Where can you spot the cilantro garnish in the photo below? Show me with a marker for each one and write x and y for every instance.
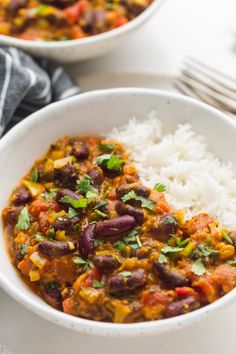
(170, 249)
(106, 147)
(72, 213)
(23, 249)
(125, 274)
(170, 220)
(100, 204)
(198, 267)
(112, 162)
(227, 238)
(39, 237)
(145, 203)
(232, 262)
(34, 175)
(207, 251)
(76, 203)
(81, 262)
(98, 242)
(98, 284)
(119, 245)
(24, 220)
(47, 196)
(159, 187)
(85, 185)
(162, 258)
(182, 243)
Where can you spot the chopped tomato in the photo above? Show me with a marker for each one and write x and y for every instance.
(75, 11)
(121, 21)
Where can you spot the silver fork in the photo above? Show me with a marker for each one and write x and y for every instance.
(209, 85)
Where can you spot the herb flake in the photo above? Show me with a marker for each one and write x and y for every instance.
(198, 267)
(24, 220)
(159, 187)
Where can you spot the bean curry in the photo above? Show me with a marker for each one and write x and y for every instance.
(55, 20)
(90, 239)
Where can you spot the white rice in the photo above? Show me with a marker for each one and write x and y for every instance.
(195, 179)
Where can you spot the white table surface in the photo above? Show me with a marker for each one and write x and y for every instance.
(204, 29)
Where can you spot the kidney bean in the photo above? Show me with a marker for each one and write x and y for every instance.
(97, 176)
(58, 3)
(66, 177)
(125, 209)
(86, 241)
(137, 188)
(14, 5)
(55, 248)
(180, 307)
(170, 276)
(22, 196)
(164, 226)
(52, 294)
(119, 284)
(105, 262)
(115, 226)
(11, 214)
(66, 192)
(66, 224)
(80, 150)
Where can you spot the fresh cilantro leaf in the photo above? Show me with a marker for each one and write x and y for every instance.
(90, 195)
(106, 147)
(39, 237)
(51, 233)
(34, 175)
(100, 204)
(170, 249)
(24, 220)
(110, 6)
(232, 262)
(76, 203)
(23, 249)
(159, 187)
(170, 220)
(119, 245)
(112, 162)
(227, 238)
(79, 261)
(129, 239)
(72, 213)
(130, 195)
(98, 284)
(198, 267)
(145, 203)
(162, 258)
(103, 159)
(85, 185)
(134, 246)
(207, 251)
(125, 274)
(47, 196)
(98, 242)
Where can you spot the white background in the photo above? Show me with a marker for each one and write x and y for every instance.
(205, 29)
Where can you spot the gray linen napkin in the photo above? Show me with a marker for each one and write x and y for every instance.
(28, 84)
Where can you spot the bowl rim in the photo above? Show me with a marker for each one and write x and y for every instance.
(105, 328)
(129, 26)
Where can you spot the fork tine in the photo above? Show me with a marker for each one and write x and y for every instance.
(219, 88)
(227, 103)
(188, 91)
(213, 74)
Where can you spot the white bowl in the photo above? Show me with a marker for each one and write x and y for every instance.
(84, 48)
(95, 113)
